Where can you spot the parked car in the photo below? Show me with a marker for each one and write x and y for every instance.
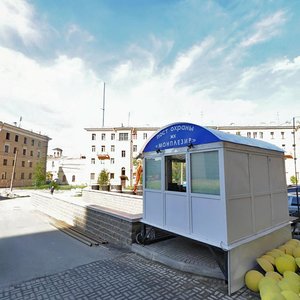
(293, 204)
(292, 189)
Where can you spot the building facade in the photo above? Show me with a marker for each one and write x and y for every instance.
(67, 170)
(281, 136)
(20, 151)
(115, 150)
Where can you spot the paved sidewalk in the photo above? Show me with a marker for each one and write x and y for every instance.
(125, 277)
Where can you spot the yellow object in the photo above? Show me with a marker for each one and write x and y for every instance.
(265, 264)
(252, 279)
(274, 275)
(272, 296)
(274, 254)
(290, 295)
(280, 252)
(284, 263)
(267, 285)
(290, 285)
(291, 275)
(289, 249)
(296, 252)
(270, 258)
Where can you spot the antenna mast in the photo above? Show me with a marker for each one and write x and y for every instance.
(103, 105)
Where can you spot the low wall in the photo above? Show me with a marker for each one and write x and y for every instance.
(96, 214)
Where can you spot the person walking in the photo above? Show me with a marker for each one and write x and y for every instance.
(52, 189)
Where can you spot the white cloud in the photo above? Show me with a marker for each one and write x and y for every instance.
(287, 65)
(265, 29)
(16, 20)
(74, 31)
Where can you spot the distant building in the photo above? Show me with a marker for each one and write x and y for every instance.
(20, 151)
(280, 135)
(67, 170)
(115, 150)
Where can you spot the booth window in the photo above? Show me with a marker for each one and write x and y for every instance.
(153, 173)
(205, 173)
(176, 173)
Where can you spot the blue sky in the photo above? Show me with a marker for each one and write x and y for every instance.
(208, 62)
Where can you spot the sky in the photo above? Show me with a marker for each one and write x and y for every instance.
(208, 62)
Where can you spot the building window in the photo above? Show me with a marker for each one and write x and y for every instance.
(22, 175)
(15, 150)
(123, 153)
(102, 148)
(93, 148)
(282, 135)
(123, 172)
(205, 173)
(92, 176)
(92, 161)
(254, 135)
(39, 154)
(134, 135)
(103, 136)
(30, 176)
(25, 140)
(112, 160)
(248, 134)
(16, 138)
(113, 136)
(73, 178)
(13, 162)
(134, 148)
(6, 148)
(176, 173)
(153, 173)
(30, 164)
(112, 175)
(123, 136)
(3, 176)
(7, 135)
(5, 162)
(144, 135)
(272, 134)
(93, 136)
(261, 135)
(23, 163)
(52, 163)
(24, 151)
(31, 153)
(32, 142)
(112, 148)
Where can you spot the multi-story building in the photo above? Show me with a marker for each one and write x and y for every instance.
(20, 151)
(280, 135)
(115, 149)
(67, 170)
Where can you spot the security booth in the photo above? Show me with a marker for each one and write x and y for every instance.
(223, 190)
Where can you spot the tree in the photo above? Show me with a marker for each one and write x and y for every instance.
(103, 178)
(39, 174)
(293, 179)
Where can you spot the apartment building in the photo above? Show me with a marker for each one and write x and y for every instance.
(20, 151)
(115, 150)
(280, 135)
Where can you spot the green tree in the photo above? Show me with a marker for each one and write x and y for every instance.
(293, 179)
(39, 174)
(103, 178)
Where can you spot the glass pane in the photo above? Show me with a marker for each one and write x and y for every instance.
(153, 173)
(205, 173)
(176, 173)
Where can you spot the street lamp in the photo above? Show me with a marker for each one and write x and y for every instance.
(295, 163)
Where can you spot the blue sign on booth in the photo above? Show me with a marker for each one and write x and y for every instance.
(180, 135)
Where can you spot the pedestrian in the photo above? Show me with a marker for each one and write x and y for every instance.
(52, 189)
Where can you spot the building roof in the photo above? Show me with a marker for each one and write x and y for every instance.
(178, 135)
(122, 128)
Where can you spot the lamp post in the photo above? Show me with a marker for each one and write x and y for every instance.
(295, 163)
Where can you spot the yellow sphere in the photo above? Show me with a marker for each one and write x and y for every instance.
(252, 279)
(265, 264)
(274, 275)
(268, 284)
(269, 258)
(296, 252)
(291, 275)
(284, 263)
(290, 295)
(290, 285)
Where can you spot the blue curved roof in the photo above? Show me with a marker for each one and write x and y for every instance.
(181, 134)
